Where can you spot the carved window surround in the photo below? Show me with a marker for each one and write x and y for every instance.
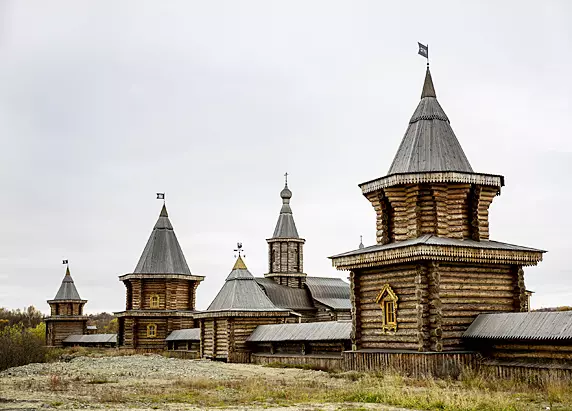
(387, 300)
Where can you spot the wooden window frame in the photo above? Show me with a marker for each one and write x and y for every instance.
(387, 300)
(152, 330)
(152, 298)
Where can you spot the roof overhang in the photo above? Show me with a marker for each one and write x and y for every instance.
(155, 313)
(285, 239)
(67, 318)
(66, 301)
(187, 277)
(416, 252)
(246, 313)
(270, 275)
(432, 177)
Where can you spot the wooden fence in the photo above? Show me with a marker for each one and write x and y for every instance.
(415, 364)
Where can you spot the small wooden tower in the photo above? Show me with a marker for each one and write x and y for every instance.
(239, 307)
(434, 268)
(160, 293)
(285, 248)
(66, 313)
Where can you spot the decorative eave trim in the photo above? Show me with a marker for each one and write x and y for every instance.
(162, 276)
(155, 313)
(66, 301)
(436, 252)
(282, 240)
(246, 313)
(67, 318)
(432, 177)
(271, 275)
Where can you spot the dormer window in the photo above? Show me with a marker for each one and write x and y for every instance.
(154, 301)
(152, 330)
(387, 301)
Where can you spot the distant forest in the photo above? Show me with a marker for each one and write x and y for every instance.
(23, 335)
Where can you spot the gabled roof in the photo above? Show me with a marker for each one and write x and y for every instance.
(67, 290)
(241, 292)
(91, 338)
(522, 326)
(429, 144)
(286, 297)
(186, 334)
(317, 331)
(332, 292)
(285, 226)
(162, 254)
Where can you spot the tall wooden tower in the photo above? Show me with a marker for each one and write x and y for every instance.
(160, 293)
(66, 313)
(434, 268)
(285, 248)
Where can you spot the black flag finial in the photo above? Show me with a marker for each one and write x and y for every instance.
(424, 51)
(65, 262)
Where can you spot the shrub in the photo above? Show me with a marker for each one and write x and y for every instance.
(20, 345)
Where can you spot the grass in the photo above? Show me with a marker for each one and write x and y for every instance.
(471, 392)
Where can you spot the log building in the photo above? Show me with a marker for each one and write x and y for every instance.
(434, 268)
(66, 313)
(159, 294)
(286, 284)
(239, 307)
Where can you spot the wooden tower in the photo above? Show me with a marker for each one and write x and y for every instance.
(160, 293)
(434, 268)
(285, 248)
(66, 313)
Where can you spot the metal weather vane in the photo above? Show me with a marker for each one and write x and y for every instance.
(239, 250)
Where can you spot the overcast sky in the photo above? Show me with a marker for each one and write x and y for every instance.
(103, 104)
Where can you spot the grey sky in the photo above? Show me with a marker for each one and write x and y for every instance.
(103, 104)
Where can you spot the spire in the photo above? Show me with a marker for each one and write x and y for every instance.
(429, 144)
(239, 264)
(162, 254)
(285, 227)
(164, 211)
(67, 290)
(428, 88)
(360, 242)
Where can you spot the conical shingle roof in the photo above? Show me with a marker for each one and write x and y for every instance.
(241, 292)
(67, 290)
(429, 143)
(162, 254)
(285, 227)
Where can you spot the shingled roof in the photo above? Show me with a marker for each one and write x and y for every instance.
(162, 254)
(429, 143)
(285, 226)
(241, 292)
(67, 290)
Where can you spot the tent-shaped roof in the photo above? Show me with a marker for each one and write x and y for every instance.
(285, 226)
(241, 292)
(162, 254)
(429, 144)
(67, 290)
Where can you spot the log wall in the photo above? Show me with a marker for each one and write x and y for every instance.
(437, 302)
(285, 256)
(366, 285)
(451, 210)
(57, 331)
(467, 290)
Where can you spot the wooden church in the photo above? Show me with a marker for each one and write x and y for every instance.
(159, 294)
(66, 313)
(434, 268)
